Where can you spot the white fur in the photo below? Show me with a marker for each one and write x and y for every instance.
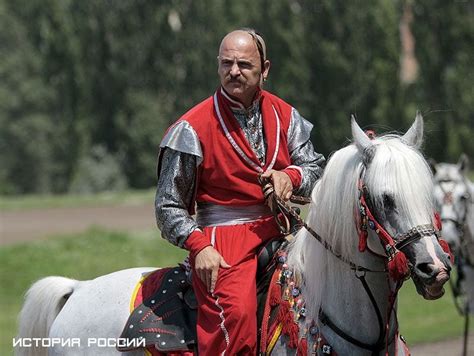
(395, 167)
(451, 179)
(43, 302)
(97, 308)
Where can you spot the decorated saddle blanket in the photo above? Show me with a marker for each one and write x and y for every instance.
(164, 313)
(164, 309)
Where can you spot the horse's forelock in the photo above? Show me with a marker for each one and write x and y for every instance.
(332, 214)
(403, 172)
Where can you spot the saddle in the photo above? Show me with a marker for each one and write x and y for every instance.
(167, 318)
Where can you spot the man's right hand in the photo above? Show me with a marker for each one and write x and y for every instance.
(206, 265)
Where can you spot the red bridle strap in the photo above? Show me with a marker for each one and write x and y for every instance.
(397, 262)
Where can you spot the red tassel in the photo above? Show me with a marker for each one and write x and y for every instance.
(275, 294)
(302, 348)
(363, 240)
(445, 246)
(398, 267)
(283, 312)
(293, 334)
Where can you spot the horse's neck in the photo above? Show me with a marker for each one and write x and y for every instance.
(347, 304)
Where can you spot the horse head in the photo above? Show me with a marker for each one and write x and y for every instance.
(452, 197)
(396, 207)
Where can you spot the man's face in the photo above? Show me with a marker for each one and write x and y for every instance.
(239, 66)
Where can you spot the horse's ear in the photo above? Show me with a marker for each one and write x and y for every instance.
(432, 162)
(463, 163)
(361, 140)
(414, 135)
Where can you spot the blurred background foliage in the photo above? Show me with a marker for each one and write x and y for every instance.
(87, 88)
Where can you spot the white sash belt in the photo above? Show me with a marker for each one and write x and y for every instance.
(220, 215)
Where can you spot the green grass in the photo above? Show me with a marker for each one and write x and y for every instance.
(80, 256)
(97, 252)
(25, 202)
(424, 321)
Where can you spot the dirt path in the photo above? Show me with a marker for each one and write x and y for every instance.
(451, 347)
(17, 226)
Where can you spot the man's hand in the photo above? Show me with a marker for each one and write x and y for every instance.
(281, 183)
(207, 264)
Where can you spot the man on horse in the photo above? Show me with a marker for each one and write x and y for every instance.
(212, 158)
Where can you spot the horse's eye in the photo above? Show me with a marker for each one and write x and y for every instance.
(465, 197)
(388, 201)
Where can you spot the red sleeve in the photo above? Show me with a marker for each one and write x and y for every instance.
(294, 173)
(196, 242)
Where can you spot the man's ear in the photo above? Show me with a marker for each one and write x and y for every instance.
(266, 69)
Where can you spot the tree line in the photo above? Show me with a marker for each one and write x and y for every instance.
(87, 88)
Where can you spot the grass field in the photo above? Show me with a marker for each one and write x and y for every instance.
(97, 252)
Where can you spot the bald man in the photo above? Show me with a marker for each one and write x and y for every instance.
(209, 164)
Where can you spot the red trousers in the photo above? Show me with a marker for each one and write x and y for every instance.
(227, 318)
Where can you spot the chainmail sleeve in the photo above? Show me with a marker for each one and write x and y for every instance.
(180, 155)
(303, 155)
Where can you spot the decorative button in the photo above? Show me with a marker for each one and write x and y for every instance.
(313, 330)
(295, 292)
(152, 302)
(164, 291)
(131, 326)
(371, 225)
(170, 280)
(158, 336)
(326, 349)
(303, 312)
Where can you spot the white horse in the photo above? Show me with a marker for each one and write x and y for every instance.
(398, 190)
(454, 194)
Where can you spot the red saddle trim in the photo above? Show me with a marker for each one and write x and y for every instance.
(145, 288)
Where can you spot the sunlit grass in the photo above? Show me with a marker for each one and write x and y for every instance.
(80, 256)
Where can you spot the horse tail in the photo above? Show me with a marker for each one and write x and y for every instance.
(43, 302)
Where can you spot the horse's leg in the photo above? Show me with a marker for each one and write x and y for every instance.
(469, 286)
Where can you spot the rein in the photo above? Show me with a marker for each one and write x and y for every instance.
(282, 211)
(397, 264)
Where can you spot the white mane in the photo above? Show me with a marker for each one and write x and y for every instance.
(395, 168)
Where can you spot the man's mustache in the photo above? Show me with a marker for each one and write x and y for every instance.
(234, 80)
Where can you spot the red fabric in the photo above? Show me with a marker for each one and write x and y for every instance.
(295, 176)
(398, 267)
(196, 242)
(235, 182)
(149, 285)
(232, 307)
(444, 245)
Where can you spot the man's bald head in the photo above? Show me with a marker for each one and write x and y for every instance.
(243, 36)
(243, 66)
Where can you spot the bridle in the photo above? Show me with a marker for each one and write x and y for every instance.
(458, 221)
(397, 265)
